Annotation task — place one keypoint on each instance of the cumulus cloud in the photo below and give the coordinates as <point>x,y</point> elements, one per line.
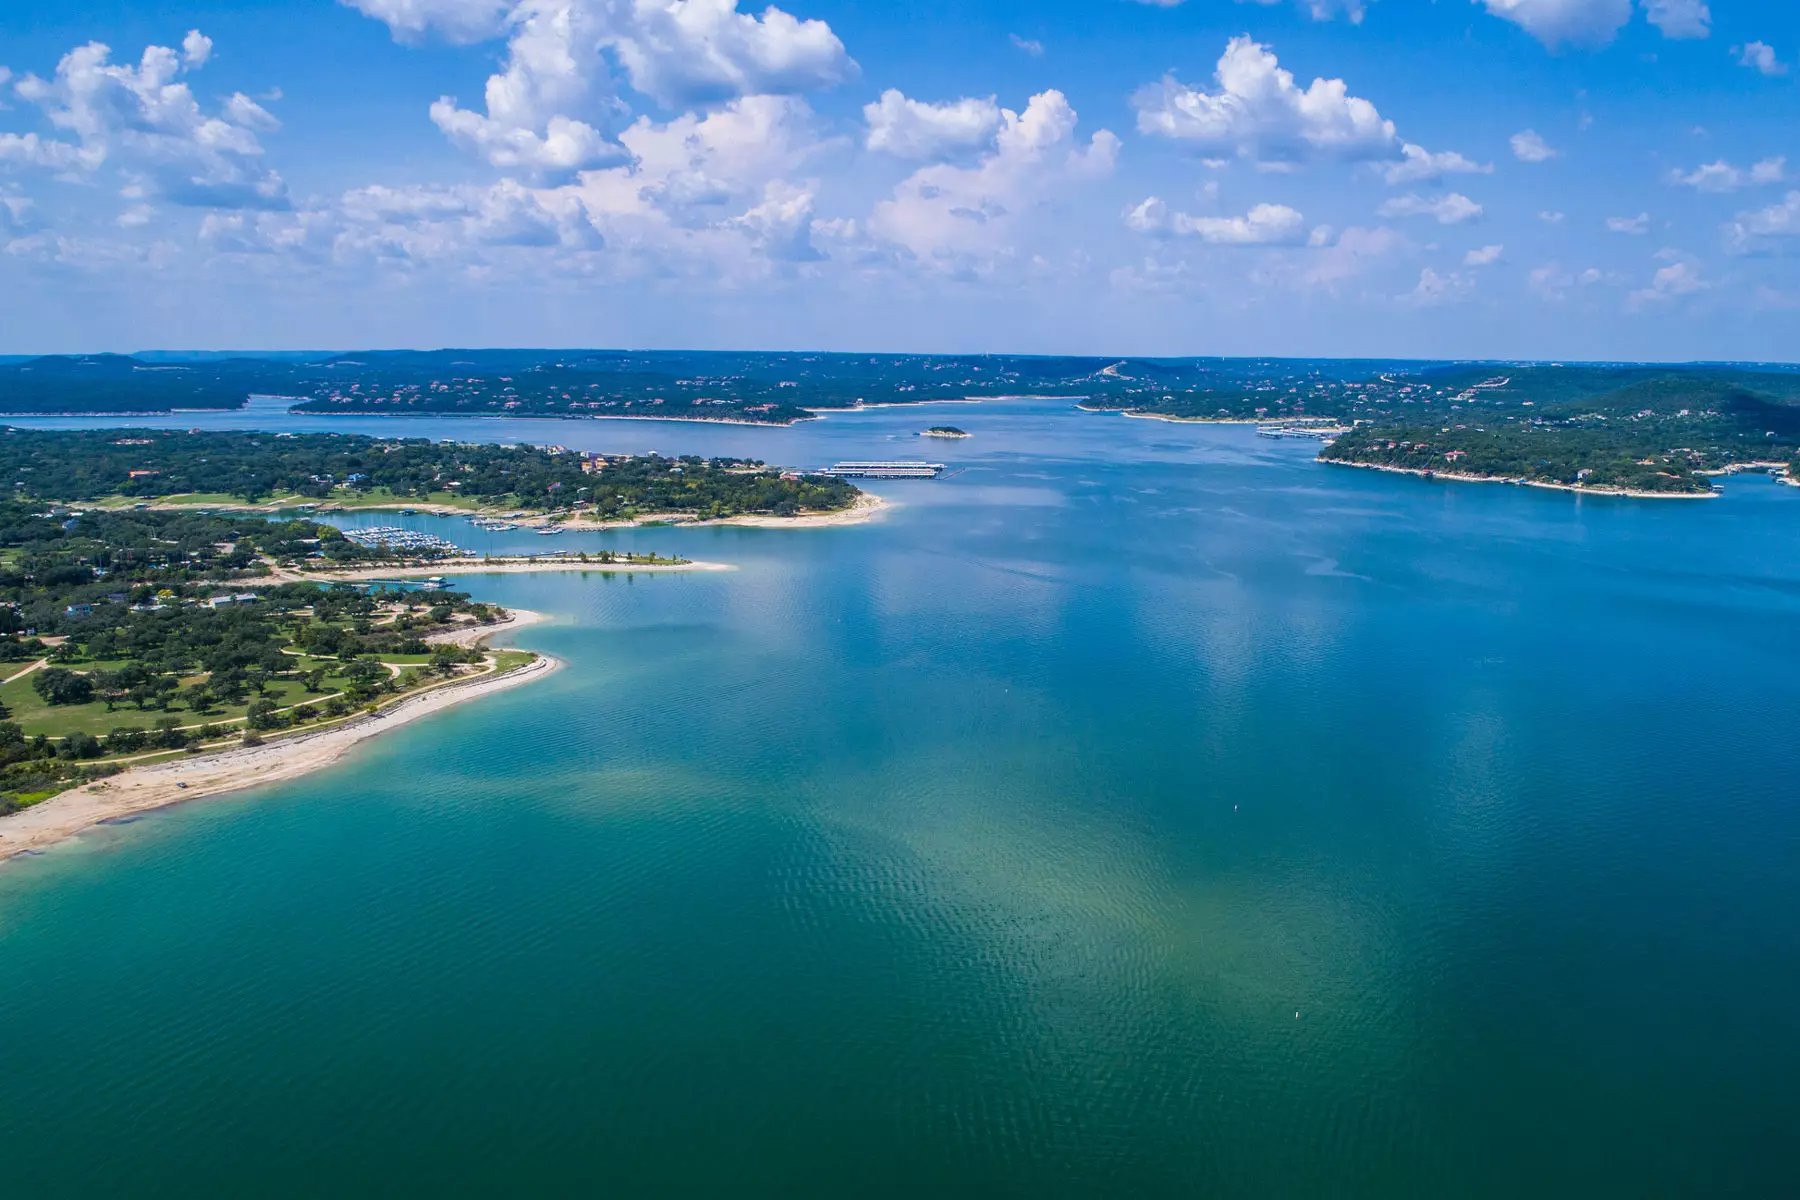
<point>913,129</point>
<point>554,109</point>
<point>1557,22</point>
<point>1679,18</point>
<point>1529,146</point>
<point>1030,46</point>
<point>456,20</point>
<point>142,121</point>
<point>1552,217</point>
<point>1721,176</point>
<point>1765,230</point>
<point>1486,256</point>
<point>1419,165</point>
<point>1260,114</point>
<point>964,218</point>
<point>409,227</point>
<point>1760,56</point>
<point>535,105</point>
<point>1453,208</point>
<point>1263,225</point>
<point>682,52</point>
<point>1673,281</point>
<point>1635,226</point>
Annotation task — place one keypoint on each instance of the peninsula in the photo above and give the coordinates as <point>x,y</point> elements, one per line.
<point>136,638</point>
<point>216,470</point>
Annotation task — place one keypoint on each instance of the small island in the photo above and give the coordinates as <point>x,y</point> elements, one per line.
<point>944,431</point>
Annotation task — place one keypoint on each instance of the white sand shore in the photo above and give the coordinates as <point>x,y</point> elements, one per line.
<point>1149,416</point>
<point>142,789</point>
<point>867,507</point>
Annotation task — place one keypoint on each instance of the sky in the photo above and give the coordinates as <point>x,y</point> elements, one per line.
<point>1546,179</point>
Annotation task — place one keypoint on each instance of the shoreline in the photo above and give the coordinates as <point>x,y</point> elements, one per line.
<point>139,790</point>
<point>494,416</point>
<point>862,509</point>
<point>1139,415</point>
<point>1577,489</point>
<point>476,566</point>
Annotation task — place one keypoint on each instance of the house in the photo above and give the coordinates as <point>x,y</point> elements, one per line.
<point>79,610</point>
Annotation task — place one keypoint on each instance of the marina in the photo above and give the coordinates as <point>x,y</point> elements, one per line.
<point>884,470</point>
<point>392,537</point>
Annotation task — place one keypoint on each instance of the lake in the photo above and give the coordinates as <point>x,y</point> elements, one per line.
<point>1141,809</point>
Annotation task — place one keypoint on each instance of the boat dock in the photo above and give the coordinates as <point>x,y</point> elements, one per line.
<point>885,470</point>
<point>389,537</point>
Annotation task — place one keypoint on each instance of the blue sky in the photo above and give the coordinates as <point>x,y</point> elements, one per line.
<point>1461,178</point>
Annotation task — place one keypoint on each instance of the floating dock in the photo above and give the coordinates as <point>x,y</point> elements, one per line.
<point>885,470</point>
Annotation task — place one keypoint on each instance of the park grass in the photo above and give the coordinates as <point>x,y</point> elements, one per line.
<point>59,720</point>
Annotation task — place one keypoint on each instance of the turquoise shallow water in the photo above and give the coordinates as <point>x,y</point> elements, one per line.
<point>1144,809</point>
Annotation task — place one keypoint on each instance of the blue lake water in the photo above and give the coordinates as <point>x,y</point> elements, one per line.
<point>1143,809</point>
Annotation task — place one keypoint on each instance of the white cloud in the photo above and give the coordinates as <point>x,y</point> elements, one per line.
<point>1675,280</point>
<point>1765,229</point>
<point>457,20</point>
<point>1529,146</point>
<point>681,52</point>
<point>196,48</point>
<point>1434,290</point>
<point>1635,226</point>
<point>1721,176</point>
<point>963,219</point>
<point>1420,165</point>
<point>1318,10</point>
<point>1551,281</point>
<point>142,121</point>
<point>1552,217</point>
<point>677,52</point>
<point>1452,209</point>
<point>1555,22</point>
<point>1258,113</point>
<point>1761,57</point>
<point>1263,225</point>
<point>913,129</point>
<point>15,209</point>
<point>1030,46</point>
<point>1354,252</point>
<point>535,106</point>
<point>1486,256</point>
<point>240,109</point>
<point>1679,18</point>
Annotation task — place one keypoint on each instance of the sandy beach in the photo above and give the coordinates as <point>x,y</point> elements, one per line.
<point>142,789</point>
<point>1150,416</point>
<point>866,508</point>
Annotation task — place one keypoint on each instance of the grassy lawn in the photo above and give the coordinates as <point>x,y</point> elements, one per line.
<point>221,498</point>
<point>381,498</point>
<point>510,659</point>
<point>35,717</point>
